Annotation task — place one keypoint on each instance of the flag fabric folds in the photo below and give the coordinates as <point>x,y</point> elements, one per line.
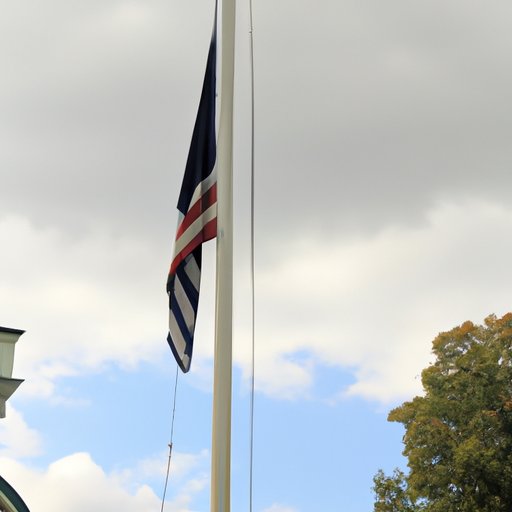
<point>197,205</point>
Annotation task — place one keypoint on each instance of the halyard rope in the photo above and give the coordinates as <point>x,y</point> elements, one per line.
<point>251,450</point>
<point>170,440</point>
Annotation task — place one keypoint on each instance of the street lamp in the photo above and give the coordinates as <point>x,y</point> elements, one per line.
<point>8,385</point>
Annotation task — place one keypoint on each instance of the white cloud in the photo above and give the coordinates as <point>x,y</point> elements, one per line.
<point>84,302</point>
<point>370,304</point>
<point>18,440</point>
<point>279,508</point>
<point>182,466</point>
<point>75,483</point>
<point>78,483</point>
<point>374,304</point>
<point>100,95</point>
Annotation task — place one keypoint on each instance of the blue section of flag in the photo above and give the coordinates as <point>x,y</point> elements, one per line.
<point>197,205</point>
<point>202,152</point>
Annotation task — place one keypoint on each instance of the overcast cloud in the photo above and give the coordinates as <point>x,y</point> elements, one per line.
<point>383,179</point>
<point>382,157</point>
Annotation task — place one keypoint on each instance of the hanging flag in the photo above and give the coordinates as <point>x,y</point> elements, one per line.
<point>197,223</point>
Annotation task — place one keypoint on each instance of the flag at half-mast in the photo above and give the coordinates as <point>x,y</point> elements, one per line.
<point>197,223</point>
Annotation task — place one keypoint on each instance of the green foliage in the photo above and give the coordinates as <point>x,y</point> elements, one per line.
<point>458,436</point>
<point>391,493</point>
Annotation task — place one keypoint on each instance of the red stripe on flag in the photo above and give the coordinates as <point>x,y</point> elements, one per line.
<point>208,232</point>
<point>197,209</point>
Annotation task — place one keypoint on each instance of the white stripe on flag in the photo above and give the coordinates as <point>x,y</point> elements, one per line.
<point>195,228</point>
<point>184,304</point>
<point>203,186</point>
<point>177,338</point>
<point>193,271</point>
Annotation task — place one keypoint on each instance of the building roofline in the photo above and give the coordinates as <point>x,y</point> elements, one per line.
<point>8,493</point>
<point>13,331</point>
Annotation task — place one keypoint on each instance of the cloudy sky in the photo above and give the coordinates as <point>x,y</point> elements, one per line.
<point>383,179</point>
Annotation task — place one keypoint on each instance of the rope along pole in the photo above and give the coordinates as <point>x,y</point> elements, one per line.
<point>251,450</point>
<point>170,440</point>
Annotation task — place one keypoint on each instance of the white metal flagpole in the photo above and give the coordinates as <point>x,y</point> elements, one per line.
<point>221,424</point>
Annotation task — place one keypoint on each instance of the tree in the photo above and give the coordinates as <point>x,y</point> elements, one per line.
<point>458,436</point>
<point>392,493</point>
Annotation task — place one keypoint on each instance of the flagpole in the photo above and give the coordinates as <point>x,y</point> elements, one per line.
<point>221,424</point>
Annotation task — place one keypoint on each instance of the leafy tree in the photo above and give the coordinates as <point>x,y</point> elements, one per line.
<point>392,493</point>
<point>458,436</point>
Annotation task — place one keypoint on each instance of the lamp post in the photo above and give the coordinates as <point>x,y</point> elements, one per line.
<point>8,385</point>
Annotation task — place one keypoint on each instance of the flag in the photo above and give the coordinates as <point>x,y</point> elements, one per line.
<point>197,205</point>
